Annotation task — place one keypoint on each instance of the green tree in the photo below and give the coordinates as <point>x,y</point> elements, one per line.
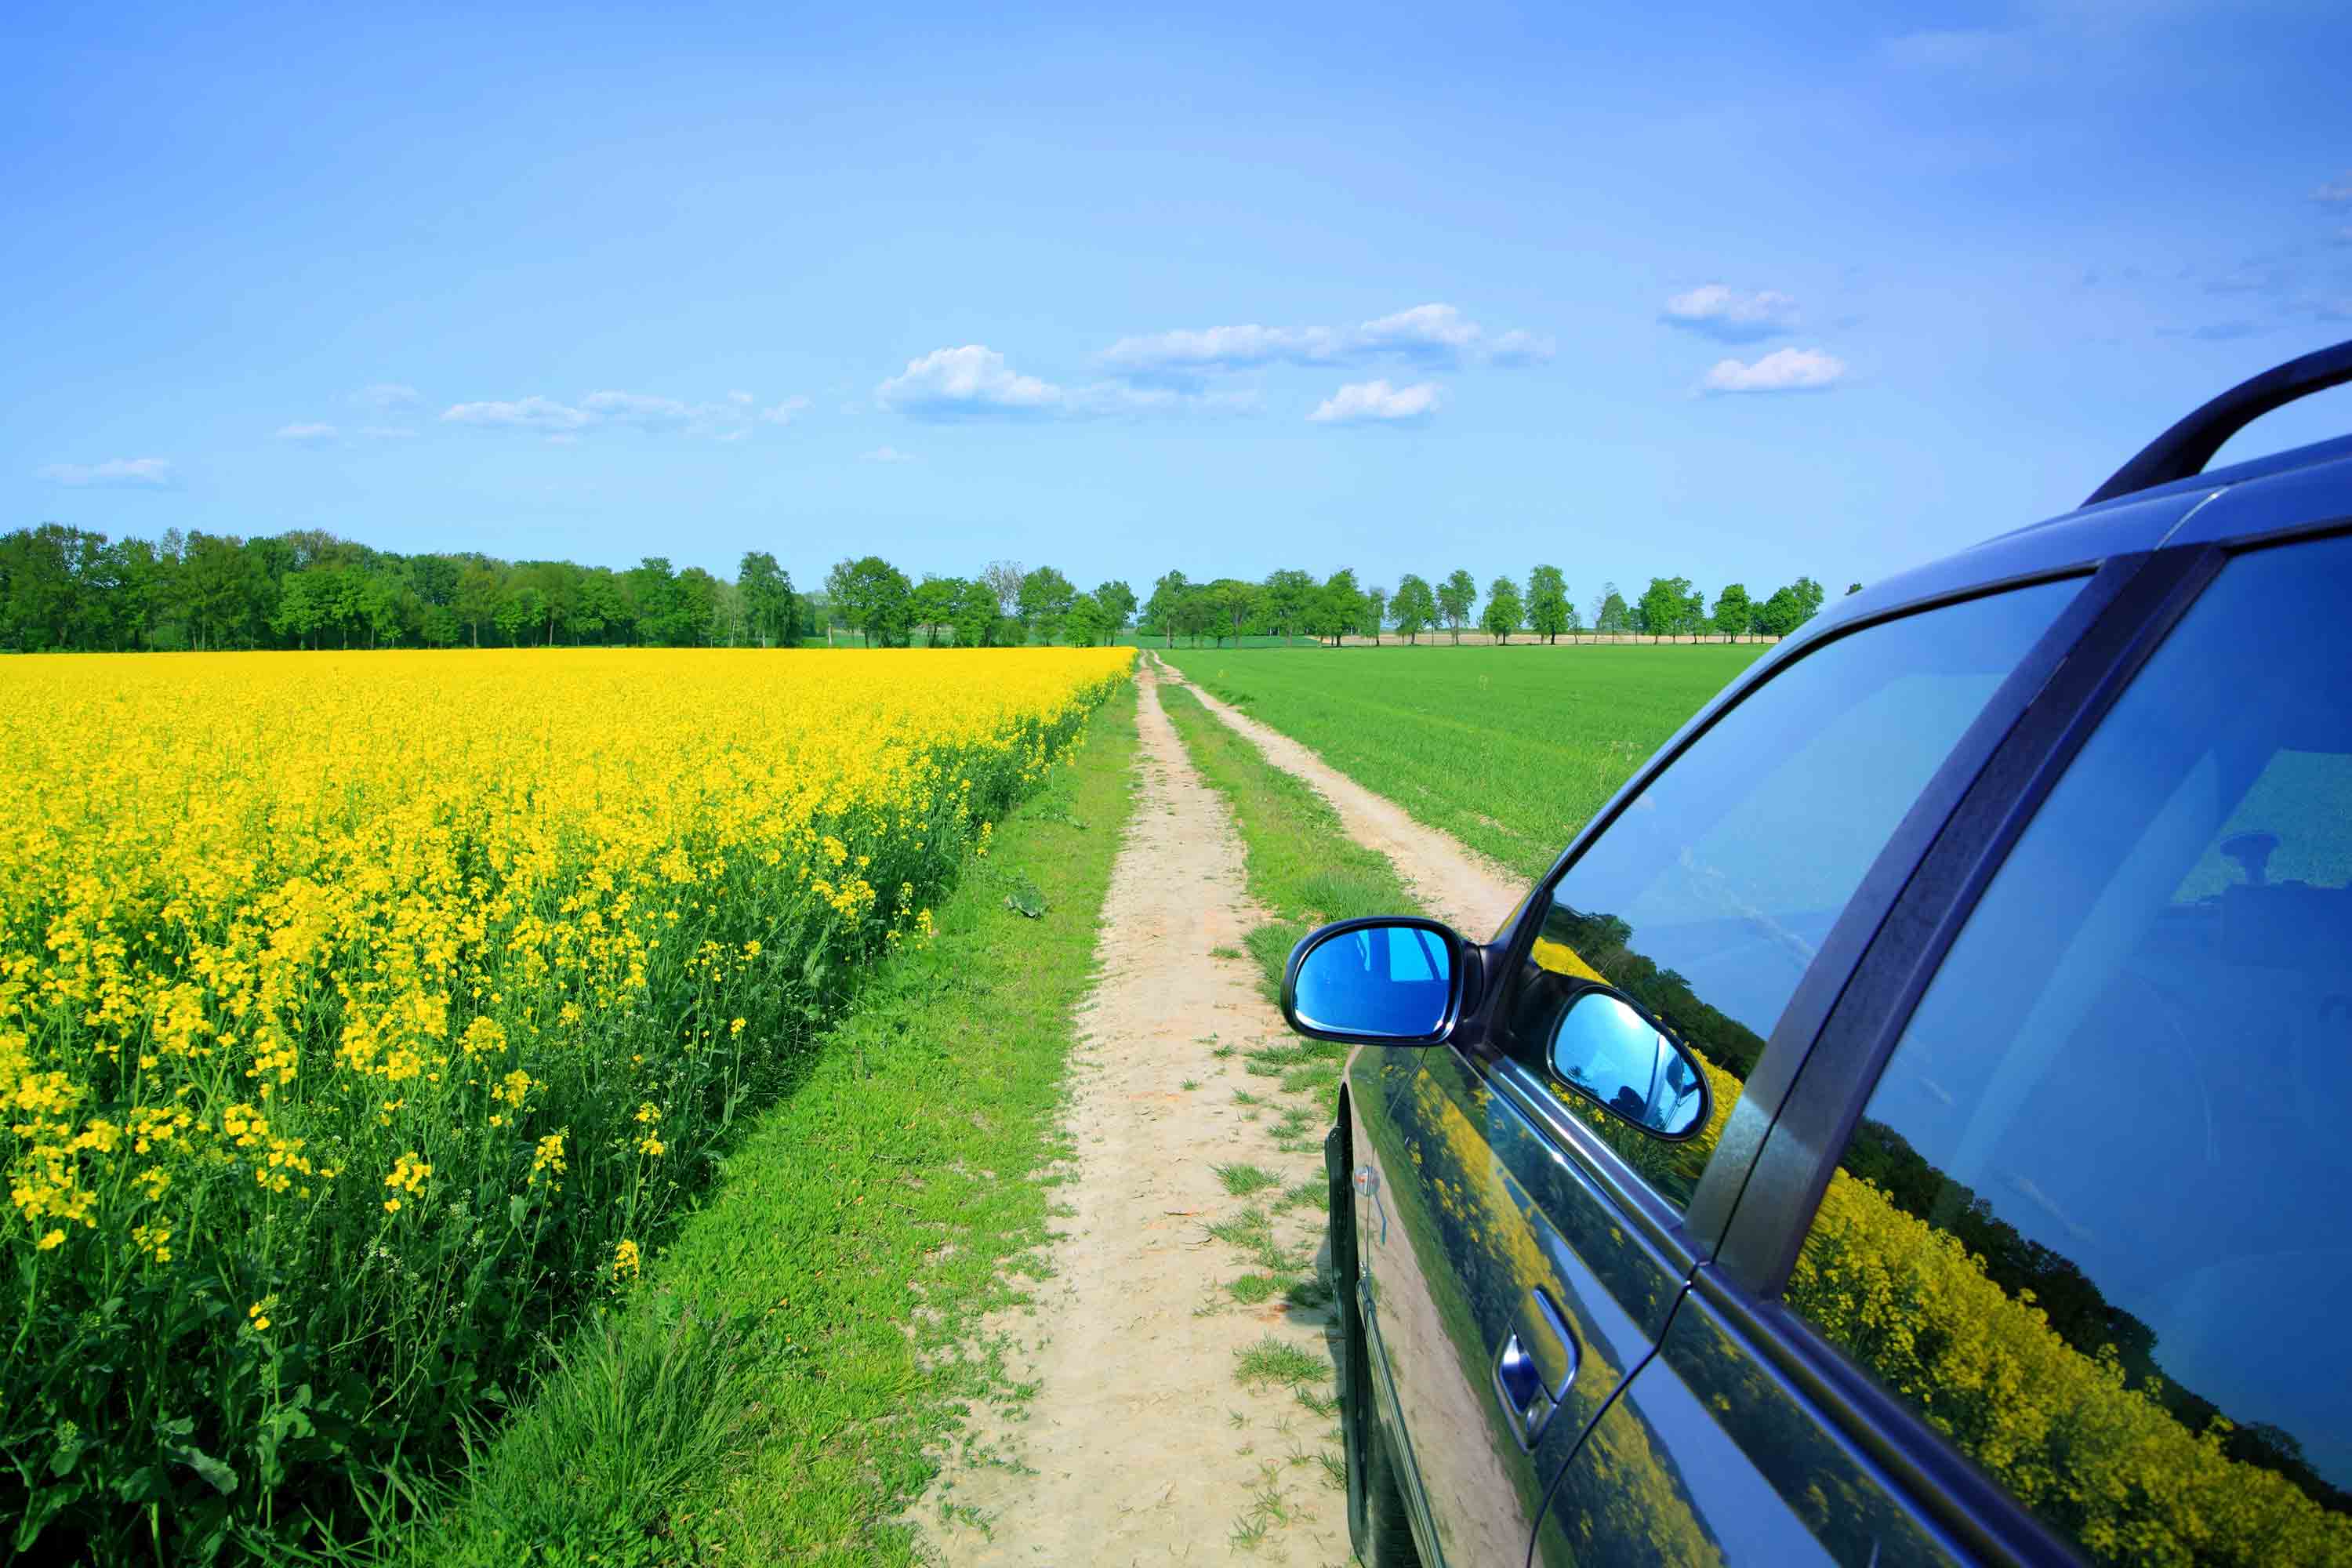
<point>478,591</point>
<point>1454,597</point>
<point>1045,598</point>
<point>1088,622</point>
<point>1851,589</point>
<point>932,606</point>
<point>767,590</point>
<point>1503,609</point>
<point>1336,607</point>
<point>1118,602</point>
<point>1376,611</point>
<point>1414,608</point>
<point>1232,605</point>
<point>1671,608</point>
<point>1162,611</point>
<point>1286,603</point>
<point>300,612</point>
<point>974,614</point>
<point>519,612</point>
<point>1548,612</point>
<point>870,595</point>
<point>1733,611</point>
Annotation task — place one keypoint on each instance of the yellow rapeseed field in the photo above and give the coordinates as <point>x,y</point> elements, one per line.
<point>358,1013</point>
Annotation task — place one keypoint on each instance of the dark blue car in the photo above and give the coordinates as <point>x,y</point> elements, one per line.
<point>1913,1122</point>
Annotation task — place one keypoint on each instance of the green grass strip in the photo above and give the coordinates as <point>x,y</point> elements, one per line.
<point>768,1391</point>
<point>1301,864</point>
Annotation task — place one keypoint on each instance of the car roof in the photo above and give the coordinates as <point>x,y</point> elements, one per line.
<point>2243,502</point>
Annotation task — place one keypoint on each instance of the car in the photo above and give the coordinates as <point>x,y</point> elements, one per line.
<point>1910,1121</point>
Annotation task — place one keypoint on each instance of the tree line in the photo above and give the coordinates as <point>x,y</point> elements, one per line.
<point>69,589</point>
<point>64,588</point>
<point>1294,604</point>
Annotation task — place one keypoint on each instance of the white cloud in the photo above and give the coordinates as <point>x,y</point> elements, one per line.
<point>387,395</point>
<point>1424,329</point>
<point>728,420</point>
<point>1730,316</point>
<point>886,454</point>
<point>1437,333</point>
<point>153,473</point>
<point>1783,369</point>
<point>947,384</point>
<point>1369,402</point>
<point>522,414</point>
<point>2335,191</point>
<point>975,382</point>
<point>306,432</point>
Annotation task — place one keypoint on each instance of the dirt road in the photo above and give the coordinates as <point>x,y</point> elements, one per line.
<point>1464,889</point>
<point>1174,1379</point>
<point>1142,1443</point>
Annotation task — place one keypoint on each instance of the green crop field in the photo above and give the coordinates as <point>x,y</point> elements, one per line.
<point>1510,749</point>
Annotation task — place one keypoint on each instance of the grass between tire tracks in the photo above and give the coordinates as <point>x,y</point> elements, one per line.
<point>771,1387</point>
<point>1304,870</point>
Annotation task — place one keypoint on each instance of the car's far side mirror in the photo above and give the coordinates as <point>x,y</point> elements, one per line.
<point>1389,982</point>
<point>1616,1054</point>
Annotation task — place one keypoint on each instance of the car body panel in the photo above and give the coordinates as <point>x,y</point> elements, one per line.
<point>1471,1213</point>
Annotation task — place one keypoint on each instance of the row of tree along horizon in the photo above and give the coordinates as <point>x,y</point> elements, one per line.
<point>64,588</point>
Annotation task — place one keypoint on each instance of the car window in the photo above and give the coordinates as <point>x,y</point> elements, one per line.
<point>1705,898</point>
<point>2091,1223</point>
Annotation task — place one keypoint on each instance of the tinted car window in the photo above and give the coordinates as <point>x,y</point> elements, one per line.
<point>2091,1225</point>
<point>1705,898</point>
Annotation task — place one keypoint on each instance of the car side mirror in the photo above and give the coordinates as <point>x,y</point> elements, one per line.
<point>1609,1050</point>
<point>1385,982</point>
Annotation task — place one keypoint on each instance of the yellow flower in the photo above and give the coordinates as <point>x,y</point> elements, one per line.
<point>624,1259</point>
<point>50,1242</point>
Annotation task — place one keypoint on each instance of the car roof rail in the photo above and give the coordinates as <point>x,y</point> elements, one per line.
<point>2182,452</point>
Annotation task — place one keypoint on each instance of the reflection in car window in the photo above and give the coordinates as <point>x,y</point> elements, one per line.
<point>2091,1226</point>
<point>1707,896</point>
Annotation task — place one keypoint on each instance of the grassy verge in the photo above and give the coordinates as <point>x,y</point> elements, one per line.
<point>770,1389</point>
<point>1510,749</point>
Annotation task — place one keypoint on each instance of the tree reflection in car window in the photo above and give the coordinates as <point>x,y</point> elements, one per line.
<point>2091,1223</point>
<point>1706,899</point>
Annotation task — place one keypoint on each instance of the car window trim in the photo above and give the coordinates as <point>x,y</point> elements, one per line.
<point>1697,1231</point>
<point>1874,1006</point>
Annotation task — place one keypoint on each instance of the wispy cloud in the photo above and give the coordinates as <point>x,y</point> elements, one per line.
<point>1432,333</point>
<point>2335,192</point>
<point>386,395</point>
<point>726,420</point>
<point>975,381</point>
<point>305,433</point>
<point>387,432</point>
<point>886,454</point>
<point>1783,369</point>
<point>1376,402</point>
<point>133,473</point>
<point>1729,315</point>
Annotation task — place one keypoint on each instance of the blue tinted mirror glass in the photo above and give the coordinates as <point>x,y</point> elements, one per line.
<point>1606,1050</point>
<point>1390,982</point>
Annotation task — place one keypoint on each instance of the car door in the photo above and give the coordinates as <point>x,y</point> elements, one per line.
<point>2044,1259</point>
<point>1521,1247</point>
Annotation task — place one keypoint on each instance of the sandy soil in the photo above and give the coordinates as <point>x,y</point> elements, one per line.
<point>1139,1444</point>
<point>1457,885</point>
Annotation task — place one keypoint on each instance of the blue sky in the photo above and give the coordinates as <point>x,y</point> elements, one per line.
<point>1697,290</point>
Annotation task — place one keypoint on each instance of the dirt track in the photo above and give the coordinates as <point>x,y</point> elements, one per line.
<point>1137,1442</point>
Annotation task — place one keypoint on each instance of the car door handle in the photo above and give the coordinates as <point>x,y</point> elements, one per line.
<point>1535,1367</point>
